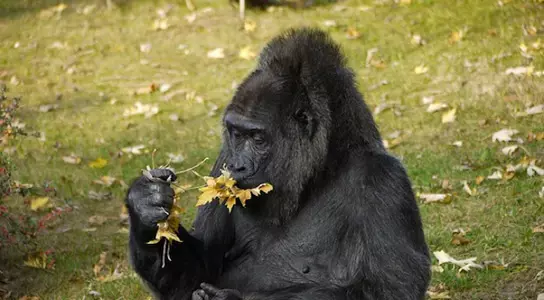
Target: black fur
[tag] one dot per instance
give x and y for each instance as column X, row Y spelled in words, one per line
column 341, row 222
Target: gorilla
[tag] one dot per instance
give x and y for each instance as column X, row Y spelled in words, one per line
column 341, row 223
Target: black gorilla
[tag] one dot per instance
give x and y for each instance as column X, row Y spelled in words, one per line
column 341, row 222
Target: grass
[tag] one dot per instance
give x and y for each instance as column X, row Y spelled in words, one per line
column 101, row 61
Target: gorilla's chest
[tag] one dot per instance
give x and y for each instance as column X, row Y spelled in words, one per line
column 264, row 260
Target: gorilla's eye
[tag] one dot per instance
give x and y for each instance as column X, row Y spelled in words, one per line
column 258, row 139
column 301, row 116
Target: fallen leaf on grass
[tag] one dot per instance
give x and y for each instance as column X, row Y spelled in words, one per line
column 352, row 33
column 438, row 295
column 94, row 195
column 137, row 150
column 72, row 159
column 216, row 53
column 435, row 198
column 329, row 23
column 504, row 135
column 449, row 116
column 464, row 264
column 458, row 237
column 145, row 48
column 456, row 36
column 146, row 90
column 160, row 24
column 39, row 260
column 97, row 220
column 479, row 179
column 99, row 163
column 97, row 268
column 509, row 150
column 533, row 170
column 539, row 228
column 38, row 203
column 417, row 40
column 537, row 109
column 519, row 71
column 147, row 110
column 250, row 25
column 434, row 107
column 49, row 12
column 421, row 69
column 247, row 53
column 497, row 175
column 457, row 144
column 467, row 189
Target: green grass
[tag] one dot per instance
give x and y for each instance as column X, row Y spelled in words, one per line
column 103, row 49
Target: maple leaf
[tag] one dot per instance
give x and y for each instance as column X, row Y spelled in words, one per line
column 99, row 163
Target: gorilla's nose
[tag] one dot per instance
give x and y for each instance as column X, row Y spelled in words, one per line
column 240, row 170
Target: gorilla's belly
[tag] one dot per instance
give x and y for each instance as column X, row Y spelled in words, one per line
column 277, row 267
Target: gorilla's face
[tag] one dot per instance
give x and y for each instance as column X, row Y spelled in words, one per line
column 272, row 134
column 249, row 143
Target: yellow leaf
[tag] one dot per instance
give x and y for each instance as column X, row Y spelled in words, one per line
column 38, row 203
column 207, row 196
column 230, row 202
column 456, row 36
column 449, row 116
column 352, row 33
column 246, row 53
column 99, row 163
column 36, row 260
column 250, row 26
column 421, row 69
column 480, row 179
column 243, row 195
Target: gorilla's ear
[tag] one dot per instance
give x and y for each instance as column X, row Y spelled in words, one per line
column 306, row 121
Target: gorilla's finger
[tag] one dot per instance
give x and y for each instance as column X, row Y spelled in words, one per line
column 209, row 289
column 199, row 295
column 152, row 215
column 160, row 194
column 163, row 174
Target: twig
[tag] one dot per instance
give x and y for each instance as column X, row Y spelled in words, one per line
column 193, row 167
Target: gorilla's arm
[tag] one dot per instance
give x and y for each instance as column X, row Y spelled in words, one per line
column 386, row 231
column 198, row 258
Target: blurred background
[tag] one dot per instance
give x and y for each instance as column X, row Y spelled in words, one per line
column 91, row 88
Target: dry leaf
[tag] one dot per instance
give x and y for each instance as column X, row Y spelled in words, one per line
column 427, row 100
column 38, row 203
column 479, row 179
column 216, row 53
column 456, row 36
column 457, row 144
column 497, row 175
column 421, row 69
column 223, row 188
column 509, row 150
column 147, row 110
column 36, row 260
column 99, row 163
column 434, row 107
column 249, row 25
column 467, row 188
column 161, row 24
column 537, row 109
column 145, row 48
column 105, row 181
column 134, row 149
column 449, row 116
column 465, row 264
column 247, row 53
column 72, row 159
column 438, row 295
column 518, row 71
column 352, row 33
column 504, row 135
column 97, row 268
column 97, row 220
column 329, row 23
column 539, row 228
column 175, row 158
column 435, row 198
column 533, row 170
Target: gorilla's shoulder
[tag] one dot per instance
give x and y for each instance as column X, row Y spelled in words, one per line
column 299, row 48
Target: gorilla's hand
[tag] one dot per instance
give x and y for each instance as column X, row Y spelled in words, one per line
column 149, row 201
column 210, row 292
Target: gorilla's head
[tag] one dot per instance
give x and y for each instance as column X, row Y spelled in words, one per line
column 295, row 114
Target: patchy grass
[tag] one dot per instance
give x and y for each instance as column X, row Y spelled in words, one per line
column 99, row 63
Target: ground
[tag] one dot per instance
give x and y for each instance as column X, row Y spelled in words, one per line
column 79, row 68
